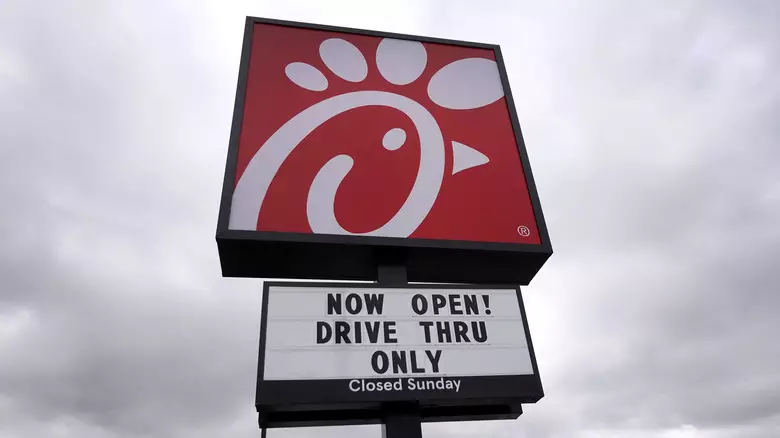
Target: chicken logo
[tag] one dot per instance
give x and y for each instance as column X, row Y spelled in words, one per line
column 396, row 78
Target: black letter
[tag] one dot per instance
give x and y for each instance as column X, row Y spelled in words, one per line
column 399, row 362
column 443, row 329
column 413, row 358
column 438, row 303
column 323, row 332
column 479, row 336
column 460, row 331
column 472, row 308
column 342, row 332
column 455, row 305
column 358, row 333
column 427, row 326
column 390, row 330
column 374, row 303
column 419, row 304
column 434, row 358
column 379, row 368
column 334, row 304
column 356, row 306
column 373, row 331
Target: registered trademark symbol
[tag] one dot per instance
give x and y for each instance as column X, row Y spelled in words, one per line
column 523, row 231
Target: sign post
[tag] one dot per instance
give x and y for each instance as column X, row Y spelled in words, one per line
column 395, row 159
column 401, row 421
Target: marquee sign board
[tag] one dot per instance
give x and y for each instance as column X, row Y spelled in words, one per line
column 353, row 148
column 334, row 353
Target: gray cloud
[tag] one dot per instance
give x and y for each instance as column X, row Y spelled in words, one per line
column 652, row 131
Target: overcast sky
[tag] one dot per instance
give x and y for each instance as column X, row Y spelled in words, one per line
column 652, row 128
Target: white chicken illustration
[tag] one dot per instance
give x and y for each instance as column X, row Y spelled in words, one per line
column 461, row 85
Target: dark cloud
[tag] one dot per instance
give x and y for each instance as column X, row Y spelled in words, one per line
column 652, row 131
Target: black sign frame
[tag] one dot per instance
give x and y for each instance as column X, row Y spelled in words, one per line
column 263, row 254
column 300, row 403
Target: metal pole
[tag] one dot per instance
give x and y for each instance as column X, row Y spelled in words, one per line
column 399, row 420
column 392, row 274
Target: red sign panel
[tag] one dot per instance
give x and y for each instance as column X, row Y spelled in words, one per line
column 350, row 133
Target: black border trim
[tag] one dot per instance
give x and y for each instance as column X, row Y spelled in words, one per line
column 231, row 164
column 322, row 402
column 541, row 225
column 333, row 257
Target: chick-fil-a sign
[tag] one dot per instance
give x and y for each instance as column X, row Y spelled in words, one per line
column 350, row 133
